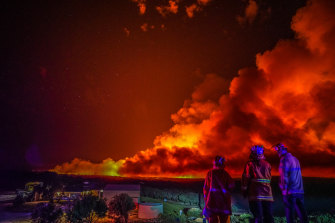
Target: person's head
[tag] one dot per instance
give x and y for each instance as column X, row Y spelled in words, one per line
column 257, row 152
column 280, row 148
column 219, row 162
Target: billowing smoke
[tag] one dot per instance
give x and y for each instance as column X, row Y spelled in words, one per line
column 172, row 7
column 83, row 167
column 196, row 7
column 142, row 7
column 288, row 97
column 250, row 13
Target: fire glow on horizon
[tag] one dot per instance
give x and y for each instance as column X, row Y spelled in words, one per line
column 288, row 97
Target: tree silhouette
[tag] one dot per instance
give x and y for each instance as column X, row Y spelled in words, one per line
column 88, row 209
column 119, row 207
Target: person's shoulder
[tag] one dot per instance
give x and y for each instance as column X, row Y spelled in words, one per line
column 286, row 157
column 289, row 156
column 294, row 159
column 265, row 162
column 219, row 171
column 224, row 172
column 249, row 163
column 211, row 172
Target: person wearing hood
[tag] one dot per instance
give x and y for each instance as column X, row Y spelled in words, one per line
column 291, row 184
column 217, row 192
column 256, row 185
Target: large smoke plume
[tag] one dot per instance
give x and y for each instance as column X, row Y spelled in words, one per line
column 288, row 97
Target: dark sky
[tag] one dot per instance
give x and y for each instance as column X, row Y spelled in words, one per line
column 98, row 79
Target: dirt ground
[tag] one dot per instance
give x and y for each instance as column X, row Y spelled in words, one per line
column 10, row 214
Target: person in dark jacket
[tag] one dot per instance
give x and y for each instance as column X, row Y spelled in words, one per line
column 217, row 196
column 256, row 185
column 291, row 184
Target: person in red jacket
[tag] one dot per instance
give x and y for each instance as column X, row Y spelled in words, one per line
column 217, row 196
column 256, row 185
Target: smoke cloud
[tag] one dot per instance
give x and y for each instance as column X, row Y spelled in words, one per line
column 142, row 7
column 83, row 167
column 172, row 7
column 126, row 31
column 196, row 7
column 288, row 97
column 250, row 13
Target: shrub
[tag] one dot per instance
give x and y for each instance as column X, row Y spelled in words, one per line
column 87, row 209
column 243, row 218
column 47, row 213
column 119, row 207
column 323, row 218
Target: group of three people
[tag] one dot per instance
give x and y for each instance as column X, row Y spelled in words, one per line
column 256, row 186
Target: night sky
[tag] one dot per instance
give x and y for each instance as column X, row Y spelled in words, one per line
column 91, row 80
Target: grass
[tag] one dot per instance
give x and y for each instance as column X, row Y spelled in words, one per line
column 172, row 214
column 173, row 211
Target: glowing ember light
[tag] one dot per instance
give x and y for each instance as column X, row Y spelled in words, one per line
column 179, row 136
column 186, row 177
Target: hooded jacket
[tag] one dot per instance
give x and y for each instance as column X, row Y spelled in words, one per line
column 217, row 197
column 290, row 175
column 256, row 180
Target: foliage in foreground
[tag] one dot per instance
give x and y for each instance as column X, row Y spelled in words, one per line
column 47, row 213
column 119, row 207
column 317, row 218
column 172, row 214
column 322, row 218
column 88, row 209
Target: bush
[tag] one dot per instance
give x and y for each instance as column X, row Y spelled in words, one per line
column 88, row 209
column 243, row 218
column 167, row 219
column 47, row 213
column 119, row 207
column 323, row 218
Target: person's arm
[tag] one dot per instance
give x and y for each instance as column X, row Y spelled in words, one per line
column 245, row 180
column 206, row 186
column 284, row 171
column 231, row 183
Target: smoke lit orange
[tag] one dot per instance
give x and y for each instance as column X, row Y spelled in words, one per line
column 288, row 97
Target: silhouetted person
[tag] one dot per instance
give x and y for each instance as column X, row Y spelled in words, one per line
column 256, row 185
column 291, row 185
column 217, row 196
